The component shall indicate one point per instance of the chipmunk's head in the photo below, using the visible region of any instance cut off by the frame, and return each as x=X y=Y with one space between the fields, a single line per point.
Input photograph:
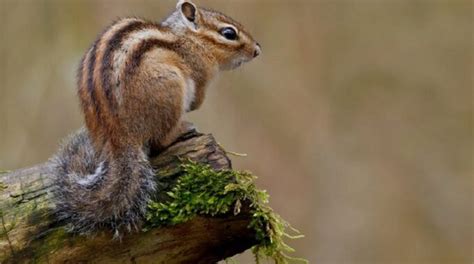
x=222 y=37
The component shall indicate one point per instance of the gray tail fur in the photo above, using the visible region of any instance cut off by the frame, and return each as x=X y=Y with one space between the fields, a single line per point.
x=94 y=192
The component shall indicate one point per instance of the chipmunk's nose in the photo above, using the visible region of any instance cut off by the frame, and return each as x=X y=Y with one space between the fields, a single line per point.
x=258 y=50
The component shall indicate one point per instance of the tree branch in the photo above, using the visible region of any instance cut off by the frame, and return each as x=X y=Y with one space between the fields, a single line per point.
x=28 y=231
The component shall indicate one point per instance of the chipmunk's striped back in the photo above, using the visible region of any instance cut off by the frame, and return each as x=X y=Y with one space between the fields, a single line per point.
x=101 y=75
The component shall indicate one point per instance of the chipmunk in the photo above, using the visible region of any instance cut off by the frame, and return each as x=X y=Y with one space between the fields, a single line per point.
x=135 y=84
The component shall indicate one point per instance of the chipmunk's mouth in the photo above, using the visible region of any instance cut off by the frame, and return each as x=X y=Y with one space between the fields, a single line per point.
x=236 y=63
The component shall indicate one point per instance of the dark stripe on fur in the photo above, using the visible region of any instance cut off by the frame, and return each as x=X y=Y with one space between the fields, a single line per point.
x=107 y=68
x=134 y=61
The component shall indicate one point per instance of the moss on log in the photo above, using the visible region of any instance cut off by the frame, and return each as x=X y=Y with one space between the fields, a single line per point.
x=29 y=232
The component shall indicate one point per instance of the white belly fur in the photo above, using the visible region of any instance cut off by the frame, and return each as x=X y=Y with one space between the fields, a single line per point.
x=189 y=94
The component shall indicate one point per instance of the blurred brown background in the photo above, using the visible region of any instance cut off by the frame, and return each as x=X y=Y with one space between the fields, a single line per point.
x=357 y=118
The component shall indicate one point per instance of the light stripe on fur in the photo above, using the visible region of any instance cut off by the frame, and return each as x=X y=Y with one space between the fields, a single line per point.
x=91 y=179
x=126 y=50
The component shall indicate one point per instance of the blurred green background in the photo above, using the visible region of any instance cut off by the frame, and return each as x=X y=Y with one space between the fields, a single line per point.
x=357 y=117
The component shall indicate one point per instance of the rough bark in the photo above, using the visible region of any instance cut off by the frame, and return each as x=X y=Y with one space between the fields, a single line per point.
x=29 y=233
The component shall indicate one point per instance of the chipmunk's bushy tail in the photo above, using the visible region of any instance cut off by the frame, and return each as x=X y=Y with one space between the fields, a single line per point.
x=97 y=191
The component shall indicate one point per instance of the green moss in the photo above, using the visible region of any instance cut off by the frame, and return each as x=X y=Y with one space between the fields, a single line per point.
x=204 y=191
x=52 y=242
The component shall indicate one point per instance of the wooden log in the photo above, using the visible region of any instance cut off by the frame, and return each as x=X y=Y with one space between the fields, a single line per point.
x=30 y=234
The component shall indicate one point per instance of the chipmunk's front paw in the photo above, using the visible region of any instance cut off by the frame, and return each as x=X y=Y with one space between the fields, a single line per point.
x=187 y=130
x=187 y=127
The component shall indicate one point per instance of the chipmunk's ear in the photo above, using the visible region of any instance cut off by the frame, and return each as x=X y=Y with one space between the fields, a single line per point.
x=189 y=12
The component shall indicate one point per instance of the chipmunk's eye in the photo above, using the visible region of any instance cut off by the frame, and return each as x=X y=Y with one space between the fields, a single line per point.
x=228 y=33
